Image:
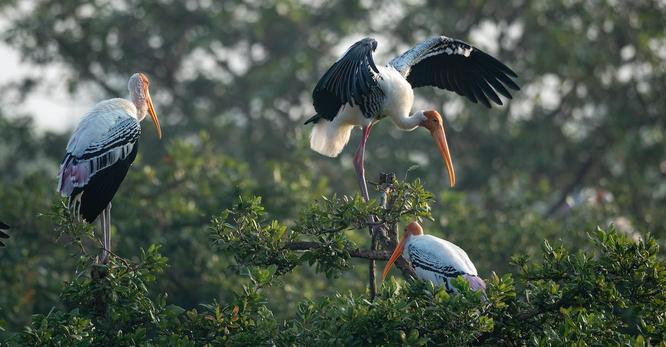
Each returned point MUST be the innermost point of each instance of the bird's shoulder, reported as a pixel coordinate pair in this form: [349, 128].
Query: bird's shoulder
[443, 252]
[114, 106]
[100, 121]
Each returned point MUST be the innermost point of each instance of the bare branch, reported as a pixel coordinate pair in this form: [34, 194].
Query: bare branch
[355, 253]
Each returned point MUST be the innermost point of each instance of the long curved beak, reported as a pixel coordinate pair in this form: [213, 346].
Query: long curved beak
[440, 138]
[396, 253]
[153, 115]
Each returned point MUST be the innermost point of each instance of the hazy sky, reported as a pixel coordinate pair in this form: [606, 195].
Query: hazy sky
[52, 106]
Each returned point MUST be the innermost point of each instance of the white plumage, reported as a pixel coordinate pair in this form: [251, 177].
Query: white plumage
[330, 137]
[438, 261]
[356, 89]
[356, 92]
[435, 259]
[95, 124]
[105, 124]
[100, 152]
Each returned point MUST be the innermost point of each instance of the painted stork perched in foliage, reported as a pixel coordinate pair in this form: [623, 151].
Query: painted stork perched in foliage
[3, 233]
[356, 92]
[434, 259]
[100, 152]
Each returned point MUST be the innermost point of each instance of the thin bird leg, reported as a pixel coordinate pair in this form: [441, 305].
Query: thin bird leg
[359, 163]
[102, 224]
[107, 238]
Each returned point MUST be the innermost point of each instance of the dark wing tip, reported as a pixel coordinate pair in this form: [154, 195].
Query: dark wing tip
[496, 74]
[488, 59]
[369, 41]
[508, 70]
[3, 235]
[313, 119]
[484, 100]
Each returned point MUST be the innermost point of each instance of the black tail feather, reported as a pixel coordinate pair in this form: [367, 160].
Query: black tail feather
[3, 233]
[314, 119]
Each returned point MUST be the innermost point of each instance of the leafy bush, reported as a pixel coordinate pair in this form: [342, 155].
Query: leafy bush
[613, 293]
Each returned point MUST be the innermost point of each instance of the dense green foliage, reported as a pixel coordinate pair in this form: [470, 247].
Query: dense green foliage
[249, 217]
[613, 294]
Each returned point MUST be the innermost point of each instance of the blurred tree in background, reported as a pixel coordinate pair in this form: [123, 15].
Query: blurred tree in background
[583, 143]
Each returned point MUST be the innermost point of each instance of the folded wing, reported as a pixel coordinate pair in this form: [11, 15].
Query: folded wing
[439, 261]
[78, 168]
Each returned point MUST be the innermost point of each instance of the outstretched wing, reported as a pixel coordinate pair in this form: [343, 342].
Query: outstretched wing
[351, 80]
[456, 66]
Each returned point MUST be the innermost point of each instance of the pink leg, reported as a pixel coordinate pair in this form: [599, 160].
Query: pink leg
[359, 163]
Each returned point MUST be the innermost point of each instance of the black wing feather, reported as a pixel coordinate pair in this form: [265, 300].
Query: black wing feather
[490, 60]
[351, 80]
[3, 233]
[499, 87]
[478, 90]
[485, 86]
[463, 84]
[459, 67]
[102, 187]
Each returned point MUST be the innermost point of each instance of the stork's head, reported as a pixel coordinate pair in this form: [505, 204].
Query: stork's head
[432, 121]
[138, 88]
[412, 229]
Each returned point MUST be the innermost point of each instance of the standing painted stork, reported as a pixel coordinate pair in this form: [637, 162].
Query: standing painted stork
[100, 152]
[3, 233]
[434, 259]
[356, 92]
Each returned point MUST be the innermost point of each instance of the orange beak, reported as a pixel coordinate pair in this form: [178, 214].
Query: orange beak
[153, 115]
[396, 253]
[438, 134]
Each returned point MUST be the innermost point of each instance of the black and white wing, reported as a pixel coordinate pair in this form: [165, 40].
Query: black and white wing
[98, 169]
[3, 233]
[456, 66]
[351, 80]
[439, 261]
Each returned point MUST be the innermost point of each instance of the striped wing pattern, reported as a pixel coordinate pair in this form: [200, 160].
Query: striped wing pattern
[351, 80]
[116, 145]
[4, 228]
[454, 65]
[439, 261]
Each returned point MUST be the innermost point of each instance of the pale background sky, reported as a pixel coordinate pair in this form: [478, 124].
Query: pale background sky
[55, 109]
[51, 105]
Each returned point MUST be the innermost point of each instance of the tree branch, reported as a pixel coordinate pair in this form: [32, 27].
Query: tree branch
[354, 253]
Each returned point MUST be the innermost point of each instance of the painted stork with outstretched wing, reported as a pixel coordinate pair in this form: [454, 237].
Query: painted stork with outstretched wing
[100, 152]
[434, 259]
[356, 92]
